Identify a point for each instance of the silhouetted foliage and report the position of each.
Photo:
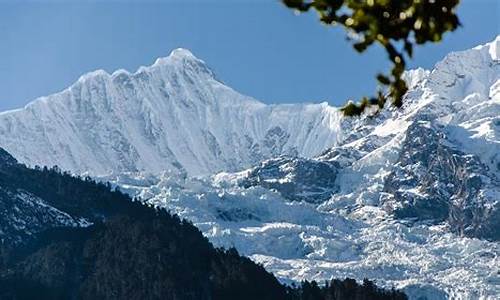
(132, 251)
(397, 25)
(343, 289)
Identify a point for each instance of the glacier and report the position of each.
(408, 197)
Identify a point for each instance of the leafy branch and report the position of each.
(396, 25)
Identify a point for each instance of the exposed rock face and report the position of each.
(296, 179)
(434, 181)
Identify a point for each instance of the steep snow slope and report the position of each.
(173, 115)
(401, 198)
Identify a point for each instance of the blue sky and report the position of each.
(258, 47)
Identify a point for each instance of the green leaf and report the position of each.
(383, 79)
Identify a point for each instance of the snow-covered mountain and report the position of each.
(409, 197)
(173, 115)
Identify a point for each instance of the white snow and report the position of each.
(151, 131)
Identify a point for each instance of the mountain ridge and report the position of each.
(172, 115)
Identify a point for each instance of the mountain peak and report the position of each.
(182, 53)
(178, 54)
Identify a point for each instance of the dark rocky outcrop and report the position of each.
(432, 181)
(297, 179)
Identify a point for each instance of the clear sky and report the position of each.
(258, 47)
